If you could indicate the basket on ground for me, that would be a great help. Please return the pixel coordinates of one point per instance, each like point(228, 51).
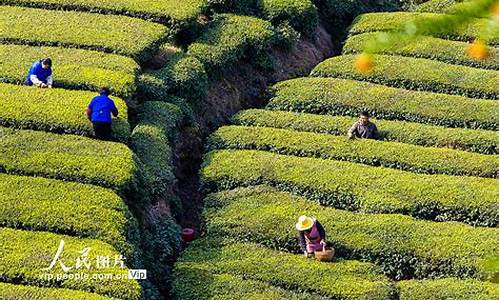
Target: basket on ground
point(325, 255)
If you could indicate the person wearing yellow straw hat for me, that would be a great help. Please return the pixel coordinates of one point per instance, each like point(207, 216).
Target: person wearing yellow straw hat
point(312, 236)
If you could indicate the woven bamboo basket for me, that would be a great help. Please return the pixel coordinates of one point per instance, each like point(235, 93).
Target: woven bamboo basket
point(325, 255)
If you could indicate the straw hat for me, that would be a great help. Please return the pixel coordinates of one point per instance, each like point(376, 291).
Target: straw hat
point(304, 223)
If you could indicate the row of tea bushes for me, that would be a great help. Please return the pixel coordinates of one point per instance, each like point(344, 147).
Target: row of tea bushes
point(402, 246)
point(72, 68)
point(117, 34)
point(358, 187)
point(480, 141)
point(302, 15)
point(344, 279)
point(448, 288)
point(388, 21)
point(439, 6)
point(22, 292)
point(182, 75)
point(401, 156)
point(70, 158)
point(167, 11)
point(54, 110)
point(453, 52)
point(198, 284)
point(151, 141)
point(229, 38)
point(75, 209)
point(333, 96)
point(416, 74)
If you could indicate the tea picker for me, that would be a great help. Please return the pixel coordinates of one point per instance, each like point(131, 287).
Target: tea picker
point(40, 74)
point(311, 235)
point(100, 112)
point(363, 128)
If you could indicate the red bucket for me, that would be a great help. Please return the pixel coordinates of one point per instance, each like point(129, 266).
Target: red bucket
point(187, 235)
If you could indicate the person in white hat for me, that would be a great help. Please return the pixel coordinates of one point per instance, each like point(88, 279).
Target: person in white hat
point(312, 236)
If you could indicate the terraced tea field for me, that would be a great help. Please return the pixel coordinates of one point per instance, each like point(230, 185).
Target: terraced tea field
point(411, 216)
point(59, 186)
point(419, 206)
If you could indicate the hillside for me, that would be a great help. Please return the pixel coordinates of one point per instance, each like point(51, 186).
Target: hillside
point(419, 206)
point(232, 116)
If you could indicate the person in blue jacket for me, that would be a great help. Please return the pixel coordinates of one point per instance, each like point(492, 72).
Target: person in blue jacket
point(100, 112)
point(40, 74)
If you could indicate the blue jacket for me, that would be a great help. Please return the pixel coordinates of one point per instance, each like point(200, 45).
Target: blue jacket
point(41, 73)
point(101, 108)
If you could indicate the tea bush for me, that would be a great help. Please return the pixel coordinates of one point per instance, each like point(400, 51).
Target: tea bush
point(416, 74)
point(480, 141)
point(453, 52)
point(332, 96)
point(229, 38)
point(343, 279)
point(447, 288)
point(402, 246)
point(74, 209)
point(55, 110)
point(117, 34)
point(387, 21)
point(28, 253)
point(377, 153)
point(23, 292)
point(73, 68)
point(358, 187)
point(68, 157)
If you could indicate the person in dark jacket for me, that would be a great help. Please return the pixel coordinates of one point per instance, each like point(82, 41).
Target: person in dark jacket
point(40, 74)
point(100, 112)
point(312, 236)
point(363, 128)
